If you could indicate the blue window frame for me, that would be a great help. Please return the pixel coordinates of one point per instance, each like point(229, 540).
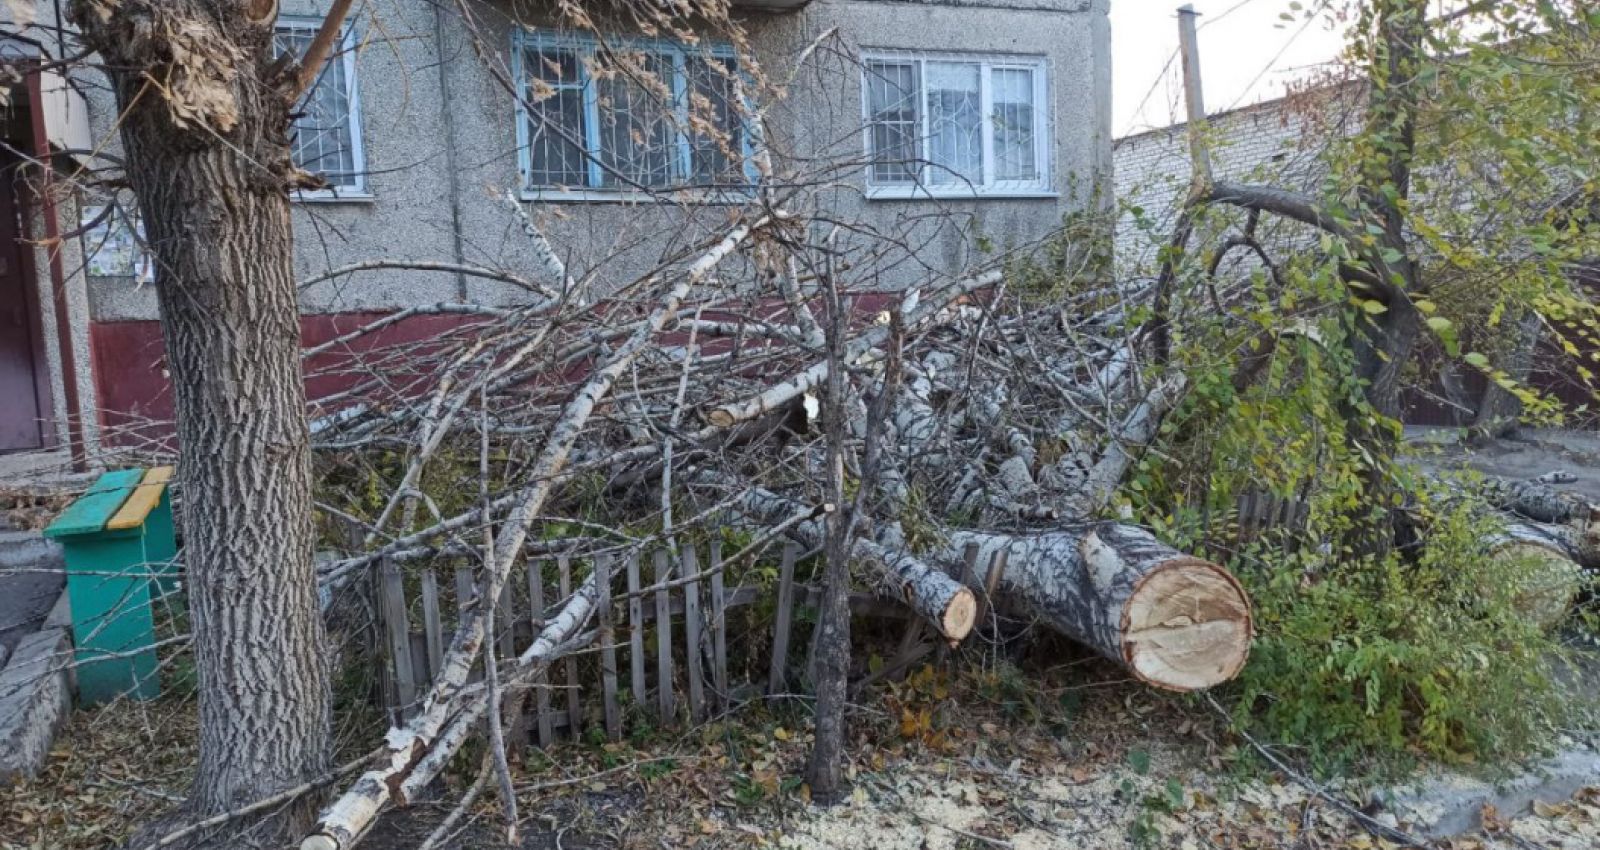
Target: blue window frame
point(659, 116)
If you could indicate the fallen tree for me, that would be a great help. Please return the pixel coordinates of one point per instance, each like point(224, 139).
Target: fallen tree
point(1545, 563)
point(1175, 621)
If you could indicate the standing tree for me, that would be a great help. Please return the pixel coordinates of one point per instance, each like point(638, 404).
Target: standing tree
point(1448, 213)
point(205, 116)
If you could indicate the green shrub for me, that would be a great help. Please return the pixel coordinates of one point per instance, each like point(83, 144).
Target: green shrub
point(1388, 658)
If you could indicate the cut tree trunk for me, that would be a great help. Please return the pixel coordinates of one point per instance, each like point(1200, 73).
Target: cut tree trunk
point(1547, 576)
point(1175, 621)
point(204, 119)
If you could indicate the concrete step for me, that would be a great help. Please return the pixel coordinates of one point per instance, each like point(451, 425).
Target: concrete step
point(31, 549)
point(32, 575)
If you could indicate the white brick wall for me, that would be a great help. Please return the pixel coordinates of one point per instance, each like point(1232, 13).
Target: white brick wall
point(1277, 143)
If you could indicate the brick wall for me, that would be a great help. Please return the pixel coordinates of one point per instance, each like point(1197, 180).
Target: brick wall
point(1277, 142)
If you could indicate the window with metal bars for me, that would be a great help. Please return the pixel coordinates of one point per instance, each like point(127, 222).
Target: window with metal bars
point(944, 125)
point(623, 116)
point(327, 127)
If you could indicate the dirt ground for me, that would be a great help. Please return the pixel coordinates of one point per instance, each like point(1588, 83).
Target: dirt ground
point(1066, 756)
point(1532, 452)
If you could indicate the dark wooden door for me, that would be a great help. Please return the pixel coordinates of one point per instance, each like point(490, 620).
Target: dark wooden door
point(20, 414)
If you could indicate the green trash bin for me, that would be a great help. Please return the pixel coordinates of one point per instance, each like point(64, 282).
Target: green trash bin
point(119, 546)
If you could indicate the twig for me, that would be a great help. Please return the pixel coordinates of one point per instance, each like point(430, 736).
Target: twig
point(261, 804)
point(1367, 822)
point(443, 831)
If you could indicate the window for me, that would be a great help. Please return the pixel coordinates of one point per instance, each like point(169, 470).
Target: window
point(629, 116)
point(327, 133)
point(953, 125)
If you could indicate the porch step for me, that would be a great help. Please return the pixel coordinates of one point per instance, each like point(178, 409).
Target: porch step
point(32, 575)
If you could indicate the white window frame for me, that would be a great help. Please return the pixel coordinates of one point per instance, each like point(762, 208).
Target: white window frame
point(988, 186)
point(526, 39)
point(345, 47)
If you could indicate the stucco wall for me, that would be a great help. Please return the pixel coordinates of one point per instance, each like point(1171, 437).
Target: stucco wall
point(419, 162)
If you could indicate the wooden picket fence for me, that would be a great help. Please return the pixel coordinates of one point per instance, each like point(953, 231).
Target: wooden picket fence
point(661, 607)
point(1259, 515)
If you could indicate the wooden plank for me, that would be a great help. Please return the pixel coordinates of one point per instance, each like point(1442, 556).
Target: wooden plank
point(541, 680)
point(664, 695)
point(719, 629)
point(777, 674)
point(570, 664)
point(138, 505)
point(421, 675)
point(635, 630)
point(608, 649)
point(692, 625)
point(505, 624)
point(91, 511)
point(159, 475)
point(397, 633)
point(466, 590)
point(536, 596)
point(432, 624)
point(466, 600)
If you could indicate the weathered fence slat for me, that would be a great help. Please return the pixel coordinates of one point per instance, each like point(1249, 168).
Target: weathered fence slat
point(432, 625)
point(505, 624)
point(635, 631)
point(574, 698)
point(541, 681)
point(719, 628)
point(693, 633)
point(397, 630)
point(421, 674)
point(466, 599)
point(778, 673)
point(466, 592)
point(608, 650)
point(664, 696)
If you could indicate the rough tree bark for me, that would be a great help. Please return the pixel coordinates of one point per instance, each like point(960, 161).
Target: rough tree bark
point(1177, 622)
point(1499, 408)
point(831, 673)
point(205, 114)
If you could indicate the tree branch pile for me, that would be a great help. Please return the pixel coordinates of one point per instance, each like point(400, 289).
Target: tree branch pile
point(682, 401)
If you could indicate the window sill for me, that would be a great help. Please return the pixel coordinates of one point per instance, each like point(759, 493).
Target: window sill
point(956, 193)
point(666, 197)
point(340, 196)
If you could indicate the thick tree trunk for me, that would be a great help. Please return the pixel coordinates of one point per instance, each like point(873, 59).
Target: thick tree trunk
point(208, 157)
point(1499, 408)
point(1547, 576)
point(1175, 621)
point(831, 671)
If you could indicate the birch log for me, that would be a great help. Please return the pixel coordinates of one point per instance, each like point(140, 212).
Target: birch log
point(942, 601)
point(1540, 502)
point(1545, 570)
point(1175, 621)
point(857, 350)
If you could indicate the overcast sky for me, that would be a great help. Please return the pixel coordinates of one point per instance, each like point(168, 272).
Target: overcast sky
point(1247, 54)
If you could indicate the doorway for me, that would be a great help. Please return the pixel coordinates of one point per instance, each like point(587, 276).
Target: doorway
point(22, 366)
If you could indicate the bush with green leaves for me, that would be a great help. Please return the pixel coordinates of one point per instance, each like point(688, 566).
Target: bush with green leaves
point(1386, 658)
